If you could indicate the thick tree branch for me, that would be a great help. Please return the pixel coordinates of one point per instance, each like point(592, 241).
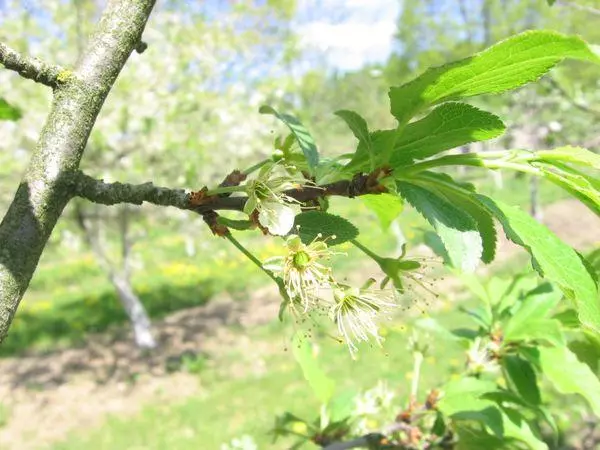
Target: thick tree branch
point(28, 67)
point(46, 187)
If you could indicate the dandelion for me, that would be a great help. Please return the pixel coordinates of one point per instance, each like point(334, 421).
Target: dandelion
point(266, 194)
point(355, 311)
point(302, 271)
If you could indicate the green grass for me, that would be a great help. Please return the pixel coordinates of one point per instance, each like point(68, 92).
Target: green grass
point(247, 404)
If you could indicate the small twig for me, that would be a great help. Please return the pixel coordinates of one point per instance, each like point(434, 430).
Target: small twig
point(585, 8)
point(571, 100)
point(28, 67)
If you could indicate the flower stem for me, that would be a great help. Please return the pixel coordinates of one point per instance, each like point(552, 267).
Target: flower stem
point(365, 250)
point(225, 190)
point(250, 256)
point(256, 166)
point(418, 361)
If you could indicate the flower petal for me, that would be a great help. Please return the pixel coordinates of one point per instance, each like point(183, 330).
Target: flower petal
point(278, 218)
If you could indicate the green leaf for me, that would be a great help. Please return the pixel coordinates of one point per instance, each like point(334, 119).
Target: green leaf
point(568, 154)
point(335, 229)
point(529, 321)
point(578, 184)
point(522, 377)
point(305, 140)
point(517, 427)
point(569, 375)
point(551, 2)
point(587, 352)
point(456, 228)
point(506, 65)
point(8, 112)
point(447, 126)
point(380, 146)
point(456, 390)
point(554, 259)
point(322, 386)
point(548, 330)
point(386, 206)
point(461, 196)
point(462, 401)
point(357, 124)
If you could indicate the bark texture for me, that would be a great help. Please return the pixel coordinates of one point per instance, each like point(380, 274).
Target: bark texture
point(47, 185)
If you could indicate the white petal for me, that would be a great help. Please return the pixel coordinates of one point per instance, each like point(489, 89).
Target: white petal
point(278, 218)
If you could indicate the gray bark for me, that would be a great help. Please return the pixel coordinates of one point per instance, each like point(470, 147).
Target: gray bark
point(46, 187)
point(142, 329)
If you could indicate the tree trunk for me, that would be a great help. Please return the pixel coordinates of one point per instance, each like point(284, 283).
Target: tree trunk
point(142, 330)
point(47, 185)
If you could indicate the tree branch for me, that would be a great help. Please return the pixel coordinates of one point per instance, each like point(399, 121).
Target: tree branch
point(46, 187)
point(28, 67)
point(98, 191)
point(581, 106)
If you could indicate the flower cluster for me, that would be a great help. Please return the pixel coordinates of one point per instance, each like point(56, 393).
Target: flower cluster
point(310, 285)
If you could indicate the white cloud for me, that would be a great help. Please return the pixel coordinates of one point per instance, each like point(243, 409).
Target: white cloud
point(350, 33)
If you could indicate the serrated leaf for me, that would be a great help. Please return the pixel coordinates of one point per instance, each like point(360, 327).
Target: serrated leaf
point(9, 112)
point(578, 184)
point(385, 206)
point(523, 378)
point(381, 144)
point(557, 261)
point(356, 123)
point(461, 196)
point(455, 227)
point(569, 375)
point(568, 154)
point(506, 65)
point(322, 386)
point(313, 223)
point(305, 140)
point(447, 126)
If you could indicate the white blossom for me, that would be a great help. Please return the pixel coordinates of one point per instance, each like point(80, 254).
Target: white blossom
point(302, 270)
point(356, 312)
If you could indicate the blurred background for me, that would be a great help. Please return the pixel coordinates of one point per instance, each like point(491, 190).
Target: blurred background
point(208, 363)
